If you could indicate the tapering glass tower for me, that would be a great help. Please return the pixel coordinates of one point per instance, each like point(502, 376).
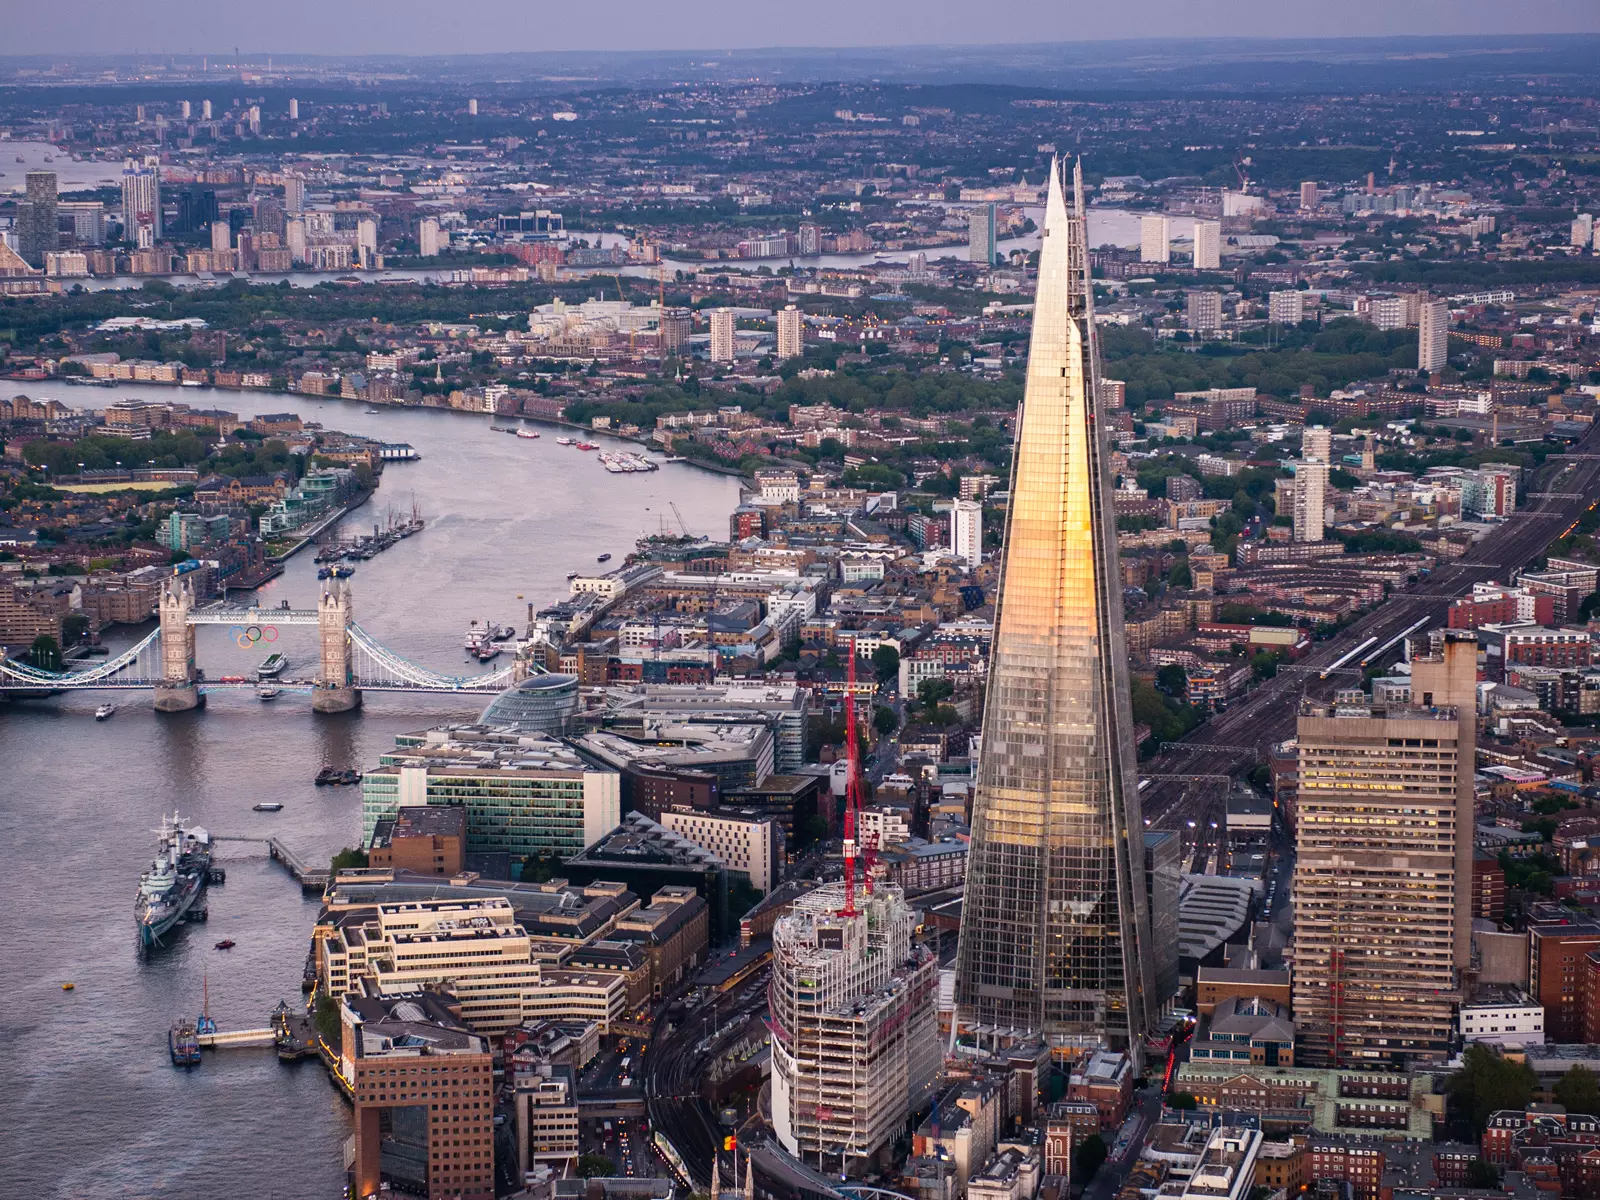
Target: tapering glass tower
point(1054, 929)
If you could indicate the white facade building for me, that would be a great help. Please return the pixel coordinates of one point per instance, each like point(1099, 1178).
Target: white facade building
point(966, 531)
point(855, 1038)
point(1207, 245)
point(791, 342)
point(1503, 1019)
point(1433, 335)
point(722, 326)
point(749, 842)
point(1286, 308)
point(1155, 240)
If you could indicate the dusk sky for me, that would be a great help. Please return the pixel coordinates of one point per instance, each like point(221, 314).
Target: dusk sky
point(477, 26)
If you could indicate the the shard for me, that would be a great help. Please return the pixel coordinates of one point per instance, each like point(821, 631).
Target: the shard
point(1054, 927)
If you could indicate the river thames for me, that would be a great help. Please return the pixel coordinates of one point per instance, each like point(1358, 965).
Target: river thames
point(91, 1107)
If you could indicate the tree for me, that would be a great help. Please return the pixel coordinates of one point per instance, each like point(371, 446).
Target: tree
point(44, 653)
point(931, 691)
point(1087, 1158)
point(1487, 1083)
point(596, 1166)
point(348, 859)
point(1578, 1091)
point(886, 662)
point(1180, 576)
point(1172, 679)
point(1183, 1101)
point(884, 720)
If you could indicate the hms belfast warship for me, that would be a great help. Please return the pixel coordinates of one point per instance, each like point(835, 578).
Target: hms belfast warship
point(175, 881)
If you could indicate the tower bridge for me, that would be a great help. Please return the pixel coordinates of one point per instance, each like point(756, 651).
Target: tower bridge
point(350, 660)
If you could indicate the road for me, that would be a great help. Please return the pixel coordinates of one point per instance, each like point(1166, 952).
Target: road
point(1566, 485)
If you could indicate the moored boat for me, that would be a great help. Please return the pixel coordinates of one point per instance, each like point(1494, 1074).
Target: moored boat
point(170, 889)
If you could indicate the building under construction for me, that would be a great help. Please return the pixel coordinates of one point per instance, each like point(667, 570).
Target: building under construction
point(855, 1044)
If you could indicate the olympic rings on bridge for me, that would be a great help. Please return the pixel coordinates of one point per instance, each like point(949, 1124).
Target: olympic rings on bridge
point(252, 635)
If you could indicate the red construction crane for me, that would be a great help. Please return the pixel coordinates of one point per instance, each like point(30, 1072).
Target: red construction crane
point(850, 788)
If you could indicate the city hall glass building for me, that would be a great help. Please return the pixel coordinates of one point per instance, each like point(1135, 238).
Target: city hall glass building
point(1054, 929)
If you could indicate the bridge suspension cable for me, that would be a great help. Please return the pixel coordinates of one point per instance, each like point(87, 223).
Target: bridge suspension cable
point(19, 674)
point(395, 669)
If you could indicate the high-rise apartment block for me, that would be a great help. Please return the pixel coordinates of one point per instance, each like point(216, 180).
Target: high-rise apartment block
point(1309, 197)
point(1207, 245)
point(1383, 896)
point(1316, 443)
point(981, 234)
point(36, 221)
point(221, 235)
point(1203, 312)
point(1055, 931)
point(1583, 229)
point(855, 1039)
point(966, 531)
point(428, 237)
point(676, 324)
point(205, 110)
point(294, 109)
point(141, 201)
point(1155, 240)
point(791, 323)
point(722, 335)
point(1286, 308)
point(1310, 500)
point(808, 240)
point(294, 194)
point(1433, 335)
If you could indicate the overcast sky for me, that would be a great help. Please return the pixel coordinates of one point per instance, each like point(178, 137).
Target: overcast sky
point(477, 26)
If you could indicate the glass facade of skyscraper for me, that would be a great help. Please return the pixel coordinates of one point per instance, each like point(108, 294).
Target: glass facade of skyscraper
point(1054, 933)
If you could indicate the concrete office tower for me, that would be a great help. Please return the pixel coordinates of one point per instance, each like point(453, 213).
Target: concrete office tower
point(855, 1037)
point(981, 235)
point(252, 118)
point(791, 322)
point(1208, 245)
point(294, 109)
point(1310, 500)
point(472, 108)
point(1383, 903)
point(722, 335)
point(428, 240)
point(1309, 198)
point(367, 242)
point(294, 237)
point(1054, 932)
point(221, 235)
point(966, 531)
point(37, 215)
point(1203, 312)
point(1316, 444)
point(294, 194)
point(676, 324)
point(1155, 240)
point(1433, 335)
point(205, 110)
point(1583, 229)
point(1286, 308)
point(141, 200)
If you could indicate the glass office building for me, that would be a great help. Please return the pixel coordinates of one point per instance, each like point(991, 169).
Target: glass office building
point(1054, 930)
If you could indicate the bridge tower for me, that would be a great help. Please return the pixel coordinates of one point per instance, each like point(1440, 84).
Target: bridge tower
point(179, 688)
point(336, 691)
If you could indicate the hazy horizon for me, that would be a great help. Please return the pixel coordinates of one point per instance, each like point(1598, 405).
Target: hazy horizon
point(339, 28)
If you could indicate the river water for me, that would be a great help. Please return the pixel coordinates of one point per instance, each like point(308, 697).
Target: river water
point(91, 1107)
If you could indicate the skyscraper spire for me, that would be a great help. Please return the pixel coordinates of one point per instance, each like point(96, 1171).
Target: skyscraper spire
point(1054, 932)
